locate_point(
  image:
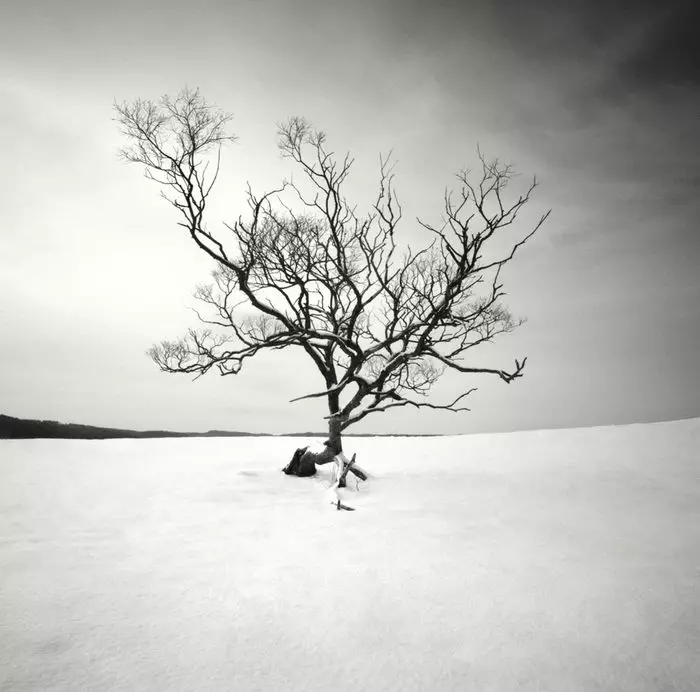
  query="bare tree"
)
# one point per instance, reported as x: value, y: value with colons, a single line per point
x: 303, y: 269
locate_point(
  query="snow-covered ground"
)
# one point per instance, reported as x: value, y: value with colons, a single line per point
x: 553, y: 560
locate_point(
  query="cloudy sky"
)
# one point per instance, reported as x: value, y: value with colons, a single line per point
x: 602, y: 103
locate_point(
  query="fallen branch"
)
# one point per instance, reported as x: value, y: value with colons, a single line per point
x: 344, y: 471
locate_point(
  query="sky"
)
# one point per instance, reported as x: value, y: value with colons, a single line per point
x: 600, y: 102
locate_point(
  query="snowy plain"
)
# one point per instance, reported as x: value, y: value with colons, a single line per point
x: 564, y: 560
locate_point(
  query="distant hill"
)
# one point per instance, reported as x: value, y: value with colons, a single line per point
x: 22, y: 428
x: 12, y: 428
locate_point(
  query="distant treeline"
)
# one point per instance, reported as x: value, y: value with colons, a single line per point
x: 22, y: 428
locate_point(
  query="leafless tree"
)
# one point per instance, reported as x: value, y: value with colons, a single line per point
x: 381, y: 322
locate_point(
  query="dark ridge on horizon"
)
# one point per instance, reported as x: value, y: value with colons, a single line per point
x: 22, y: 428
x: 12, y: 428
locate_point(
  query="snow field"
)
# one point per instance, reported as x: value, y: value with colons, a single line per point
x: 550, y: 560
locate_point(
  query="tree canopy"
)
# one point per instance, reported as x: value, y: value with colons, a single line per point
x: 302, y: 268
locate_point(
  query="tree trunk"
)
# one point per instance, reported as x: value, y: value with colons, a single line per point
x: 334, y: 441
x: 334, y: 444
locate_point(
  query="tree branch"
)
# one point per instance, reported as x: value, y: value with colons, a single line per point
x: 304, y: 269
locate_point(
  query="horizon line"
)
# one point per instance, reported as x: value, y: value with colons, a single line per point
x: 212, y: 432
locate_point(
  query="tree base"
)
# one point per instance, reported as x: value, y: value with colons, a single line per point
x: 303, y: 464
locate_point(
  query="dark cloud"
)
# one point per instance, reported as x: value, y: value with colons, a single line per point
x: 670, y: 53
x: 646, y: 44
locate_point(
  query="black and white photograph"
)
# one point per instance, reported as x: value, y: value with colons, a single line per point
x: 349, y: 345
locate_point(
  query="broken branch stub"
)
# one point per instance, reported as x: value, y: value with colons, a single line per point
x: 301, y: 464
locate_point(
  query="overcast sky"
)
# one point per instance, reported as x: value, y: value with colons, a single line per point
x: 601, y: 103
